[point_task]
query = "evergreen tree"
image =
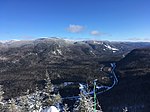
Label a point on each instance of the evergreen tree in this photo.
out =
(1, 99)
(86, 102)
(1, 93)
(66, 108)
(36, 101)
(125, 109)
(50, 97)
(24, 103)
(11, 106)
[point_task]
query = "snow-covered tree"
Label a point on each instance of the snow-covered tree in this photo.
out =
(47, 91)
(36, 101)
(49, 88)
(24, 102)
(50, 97)
(125, 109)
(1, 93)
(7, 106)
(30, 102)
(1, 99)
(86, 102)
(40, 100)
(65, 108)
(11, 106)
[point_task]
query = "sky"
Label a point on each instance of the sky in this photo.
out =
(113, 20)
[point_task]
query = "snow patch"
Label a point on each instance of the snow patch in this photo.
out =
(15, 61)
(3, 58)
(54, 52)
(81, 86)
(92, 52)
(9, 41)
(50, 109)
(111, 48)
(59, 51)
(68, 83)
(96, 42)
(69, 41)
(123, 55)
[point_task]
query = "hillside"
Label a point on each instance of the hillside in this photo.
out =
(133, 90)
(136, 63)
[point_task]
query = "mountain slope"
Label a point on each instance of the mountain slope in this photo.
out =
(137, 62)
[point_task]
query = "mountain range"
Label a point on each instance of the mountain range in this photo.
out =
(23, 65)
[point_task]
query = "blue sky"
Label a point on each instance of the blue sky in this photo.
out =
(75, 19)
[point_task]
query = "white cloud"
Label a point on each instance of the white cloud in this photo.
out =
(75, 28)
(96, 33)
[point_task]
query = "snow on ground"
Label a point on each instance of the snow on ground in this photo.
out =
(68, 83)
(104, 49)
(54, 52)
(3, 58)
(70, 41)
(10, 41)
(92, 52)
(50, 109)
(81, 86)
(59, 51)
(96, 42)
(111, 48)
(15, 61)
